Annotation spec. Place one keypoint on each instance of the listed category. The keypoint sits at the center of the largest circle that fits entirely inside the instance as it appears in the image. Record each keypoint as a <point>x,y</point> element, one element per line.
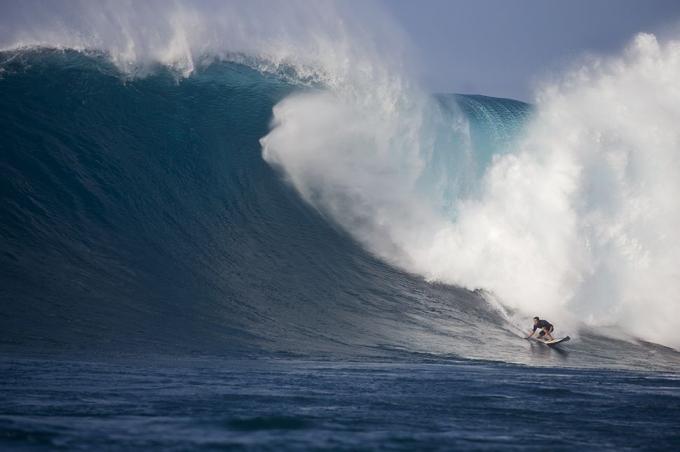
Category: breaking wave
<point>214,181</point>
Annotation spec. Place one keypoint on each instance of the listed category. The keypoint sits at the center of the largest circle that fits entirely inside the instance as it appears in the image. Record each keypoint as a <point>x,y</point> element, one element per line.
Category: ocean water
<point>289,404</point>
<point>185,266</point>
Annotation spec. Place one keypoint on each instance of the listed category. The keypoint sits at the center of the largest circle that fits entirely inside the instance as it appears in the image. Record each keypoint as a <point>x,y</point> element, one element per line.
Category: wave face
<point>139,215</point>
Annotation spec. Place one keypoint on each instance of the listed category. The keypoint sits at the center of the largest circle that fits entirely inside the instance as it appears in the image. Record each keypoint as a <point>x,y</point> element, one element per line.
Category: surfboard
<point>557,341</point>
<point>553,342</point>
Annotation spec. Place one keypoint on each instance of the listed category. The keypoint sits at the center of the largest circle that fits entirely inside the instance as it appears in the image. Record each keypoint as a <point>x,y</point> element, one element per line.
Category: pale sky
<point>501,47</point>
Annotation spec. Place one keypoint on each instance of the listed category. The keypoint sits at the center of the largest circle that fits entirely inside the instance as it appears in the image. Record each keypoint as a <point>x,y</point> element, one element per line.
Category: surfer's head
<point>536,319</point>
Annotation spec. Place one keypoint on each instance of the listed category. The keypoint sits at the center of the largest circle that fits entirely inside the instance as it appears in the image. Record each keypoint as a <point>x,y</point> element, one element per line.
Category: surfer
<point>545,328</point>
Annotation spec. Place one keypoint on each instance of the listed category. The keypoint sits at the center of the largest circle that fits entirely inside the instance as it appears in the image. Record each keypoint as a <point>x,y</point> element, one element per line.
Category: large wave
<point>565,210</point>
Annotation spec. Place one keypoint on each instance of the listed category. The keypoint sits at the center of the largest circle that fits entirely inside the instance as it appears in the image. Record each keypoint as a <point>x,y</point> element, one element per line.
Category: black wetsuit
<point>545,325</point>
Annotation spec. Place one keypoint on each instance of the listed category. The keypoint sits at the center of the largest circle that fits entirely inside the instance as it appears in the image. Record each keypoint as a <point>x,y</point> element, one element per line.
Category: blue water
<point>161,286</point>
<point>287,404</point>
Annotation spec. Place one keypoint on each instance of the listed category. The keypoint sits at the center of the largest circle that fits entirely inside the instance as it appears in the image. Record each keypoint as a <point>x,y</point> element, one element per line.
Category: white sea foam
<point>580,222</point>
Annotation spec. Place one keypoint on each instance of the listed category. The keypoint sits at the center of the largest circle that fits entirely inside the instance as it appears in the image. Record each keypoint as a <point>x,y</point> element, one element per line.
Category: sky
<point>504,47</point>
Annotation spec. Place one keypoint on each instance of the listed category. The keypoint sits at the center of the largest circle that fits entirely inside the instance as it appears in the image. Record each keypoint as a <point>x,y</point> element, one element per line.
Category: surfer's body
<point>545,329</point>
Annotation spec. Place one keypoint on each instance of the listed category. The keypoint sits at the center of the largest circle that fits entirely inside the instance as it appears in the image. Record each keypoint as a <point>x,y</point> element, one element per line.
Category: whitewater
<point>575,219</point>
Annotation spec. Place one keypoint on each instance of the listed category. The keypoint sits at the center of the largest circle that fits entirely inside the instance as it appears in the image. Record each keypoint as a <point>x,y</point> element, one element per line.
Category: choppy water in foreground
<point>286,404</point>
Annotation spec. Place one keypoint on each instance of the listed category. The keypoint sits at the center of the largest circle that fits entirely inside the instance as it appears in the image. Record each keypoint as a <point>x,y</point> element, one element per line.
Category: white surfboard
<point>557,341</point>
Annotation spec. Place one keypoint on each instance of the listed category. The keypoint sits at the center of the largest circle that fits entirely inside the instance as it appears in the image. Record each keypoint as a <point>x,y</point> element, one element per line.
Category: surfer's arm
<point>531,334</point>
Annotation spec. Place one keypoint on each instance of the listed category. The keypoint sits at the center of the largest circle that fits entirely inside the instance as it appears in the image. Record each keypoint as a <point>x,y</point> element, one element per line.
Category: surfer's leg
<point>548,333</point>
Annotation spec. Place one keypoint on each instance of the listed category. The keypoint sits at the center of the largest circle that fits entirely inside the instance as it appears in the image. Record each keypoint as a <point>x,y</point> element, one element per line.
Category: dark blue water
<point>161,286</point>
<point>289,404</point>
